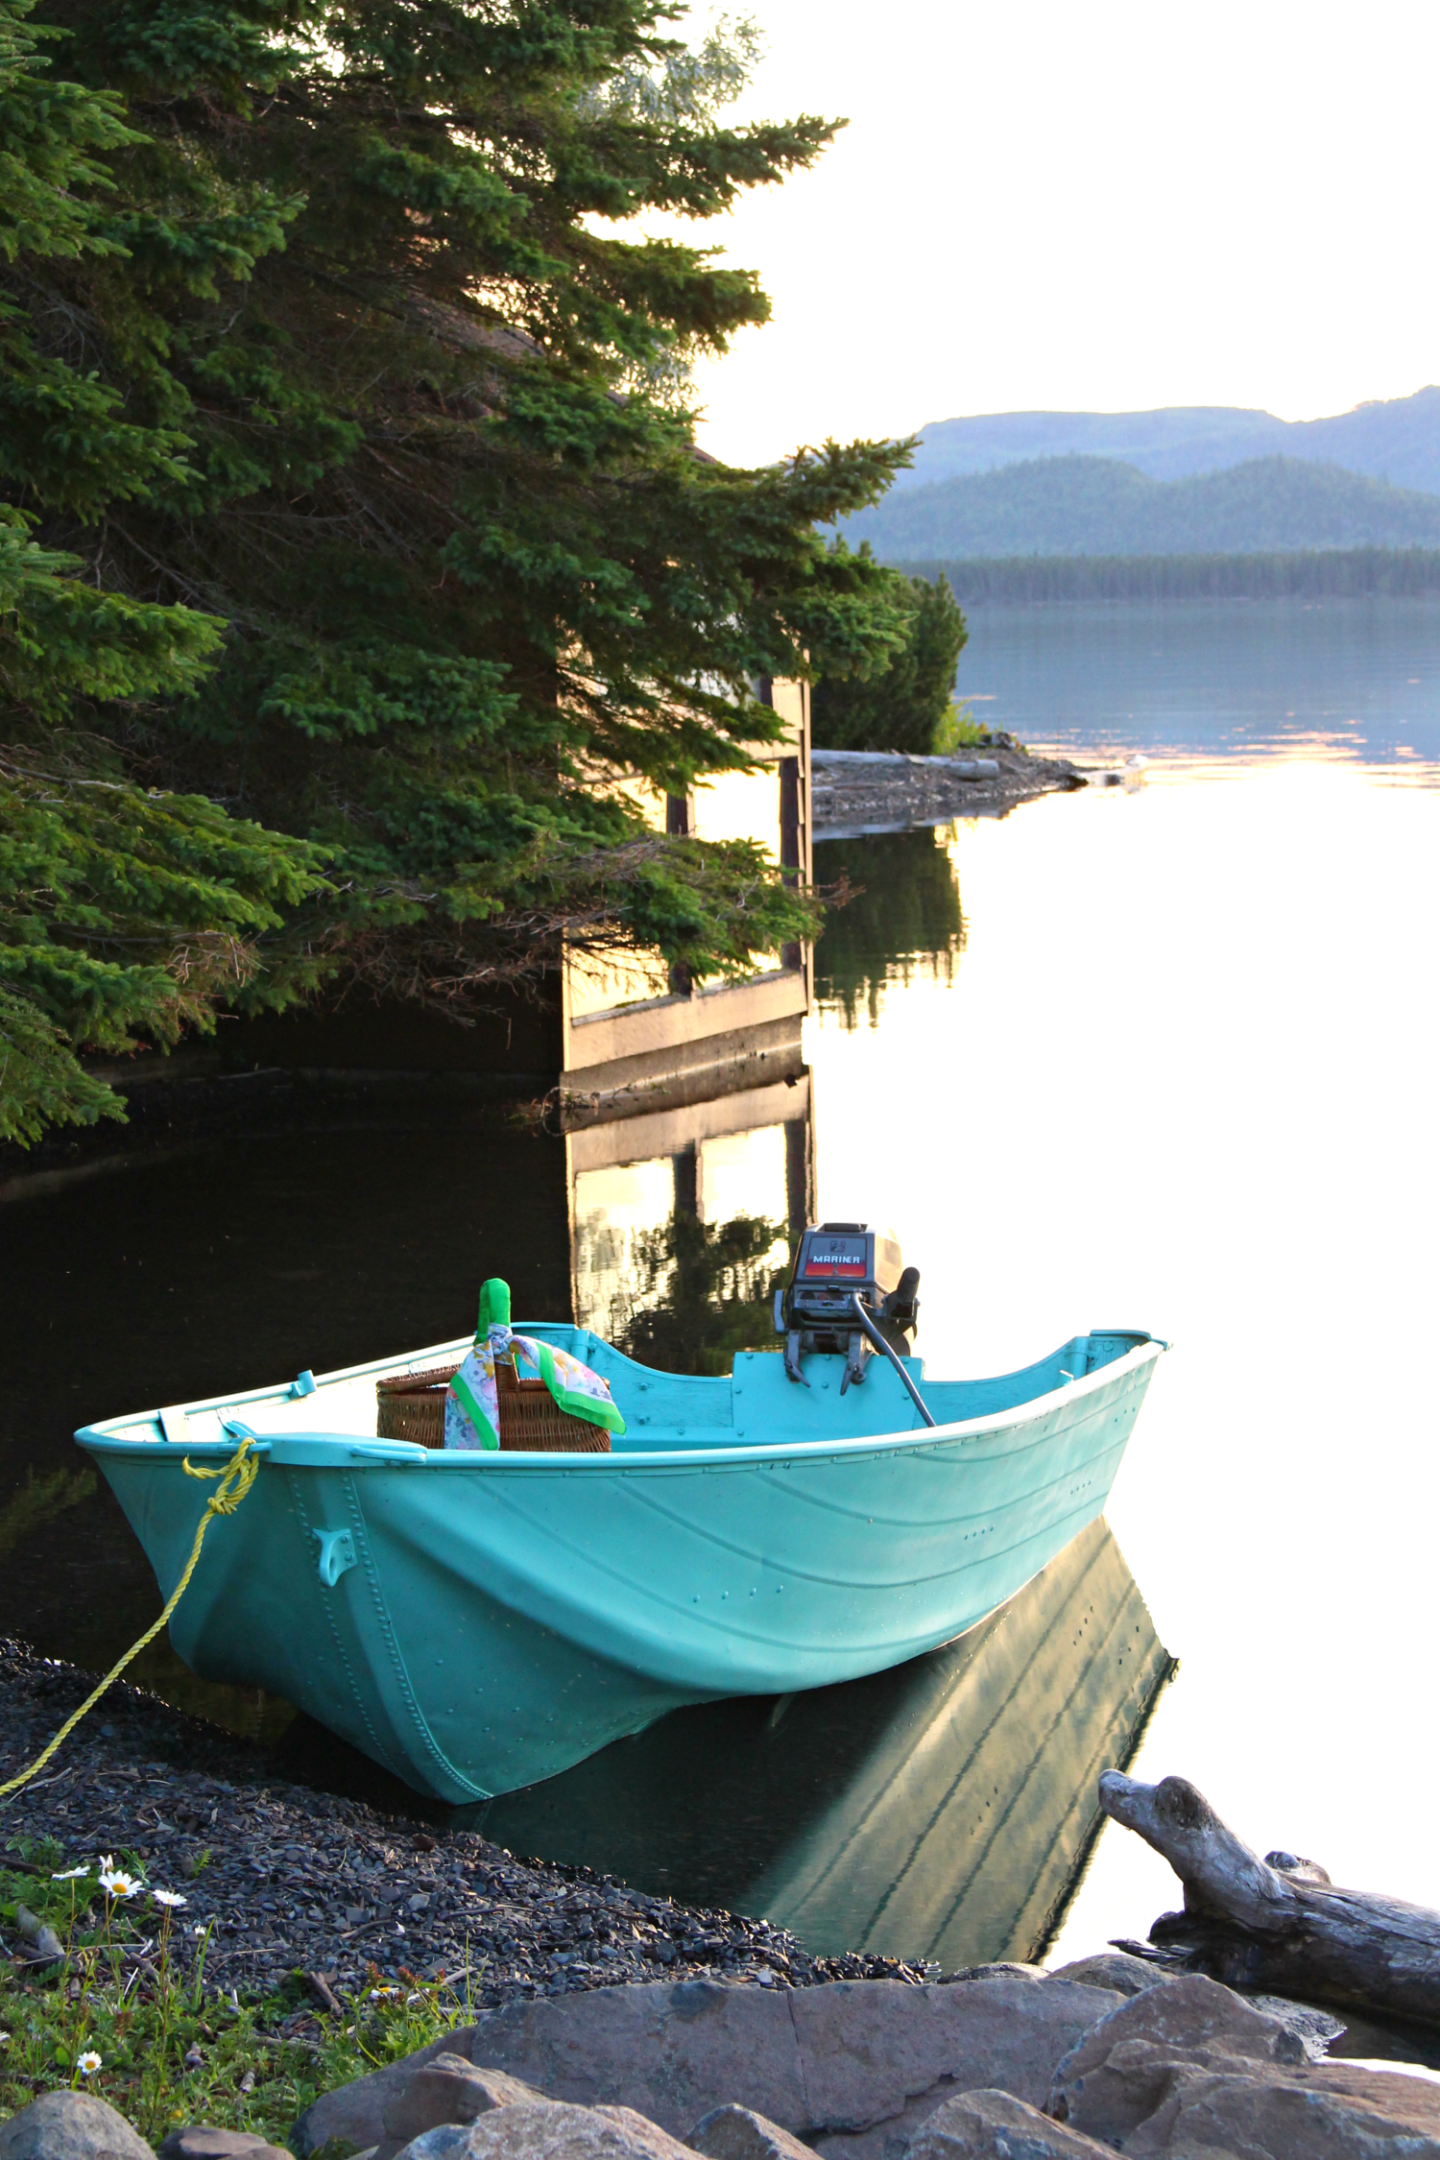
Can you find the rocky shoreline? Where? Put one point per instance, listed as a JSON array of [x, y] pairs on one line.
[[1008, 2065], [853, 793], [1003, 2064], [589, 2021]]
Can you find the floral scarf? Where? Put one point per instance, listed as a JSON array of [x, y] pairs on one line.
[[472, 1405]]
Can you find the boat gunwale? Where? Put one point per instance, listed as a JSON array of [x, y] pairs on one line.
[[367, 1452]]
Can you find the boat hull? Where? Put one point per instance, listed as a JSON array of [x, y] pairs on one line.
[[493, 1620], [849, 1815]]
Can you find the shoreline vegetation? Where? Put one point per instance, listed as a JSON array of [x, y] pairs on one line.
[[1293, 574]]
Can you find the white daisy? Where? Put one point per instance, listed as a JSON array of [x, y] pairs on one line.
[[71, 1874], [116, 1883], [88, 2063], [172, 1898]]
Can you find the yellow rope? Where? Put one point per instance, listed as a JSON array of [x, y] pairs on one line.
[[236, 1479]]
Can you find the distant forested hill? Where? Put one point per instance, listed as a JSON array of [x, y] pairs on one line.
[[1394, 439], [1101, 506]]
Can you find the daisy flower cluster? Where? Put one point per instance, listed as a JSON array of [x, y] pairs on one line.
[[118, 1884]]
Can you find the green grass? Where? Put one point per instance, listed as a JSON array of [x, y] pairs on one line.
[[173, 2048], [958, 729]]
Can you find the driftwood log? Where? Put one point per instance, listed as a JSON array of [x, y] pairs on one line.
[[1278, 1925]]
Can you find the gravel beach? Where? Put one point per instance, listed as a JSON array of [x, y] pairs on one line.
[[296, 1879]]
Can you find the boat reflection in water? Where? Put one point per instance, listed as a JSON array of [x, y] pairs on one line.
[[941, 1811]]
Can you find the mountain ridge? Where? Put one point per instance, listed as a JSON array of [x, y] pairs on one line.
[[1080, 505], [1392, 439]]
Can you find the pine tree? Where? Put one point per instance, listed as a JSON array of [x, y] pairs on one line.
[[348, 350], [124, 911], [901, 701]]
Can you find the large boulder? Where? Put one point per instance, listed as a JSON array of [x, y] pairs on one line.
[[70, 2126], [671, 2049], [1115, 1969], [877, 2057], [448, 2089], [1193, 2068], [354, 2114], [997, 2126], [738, 2133], [852, 2067], [1316, 2030], [550, 2130]]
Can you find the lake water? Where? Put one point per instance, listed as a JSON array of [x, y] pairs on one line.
[[1346, 679], [1177, 1067], [1161, 1055]]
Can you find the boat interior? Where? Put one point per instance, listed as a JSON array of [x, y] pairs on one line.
[[755, 1405]]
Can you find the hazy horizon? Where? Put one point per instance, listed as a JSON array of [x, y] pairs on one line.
[[1033, 210], [1196, 405]]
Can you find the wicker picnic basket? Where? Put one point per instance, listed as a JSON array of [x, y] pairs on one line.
[[412, 1407]]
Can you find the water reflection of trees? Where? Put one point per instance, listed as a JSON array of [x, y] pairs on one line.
[[694, 1293], [907, 922], [39, 1501]]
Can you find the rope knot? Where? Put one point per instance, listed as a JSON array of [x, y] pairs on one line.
[[236, 1478]]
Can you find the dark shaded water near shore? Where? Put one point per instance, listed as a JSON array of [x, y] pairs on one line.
[[1158, 1056]]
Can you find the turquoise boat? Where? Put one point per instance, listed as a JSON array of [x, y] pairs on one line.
[[476, 1621]]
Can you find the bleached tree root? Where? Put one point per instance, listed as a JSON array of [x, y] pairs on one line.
[[1277, 1925]]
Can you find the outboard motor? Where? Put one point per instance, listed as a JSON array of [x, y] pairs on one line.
[[834, 1264]]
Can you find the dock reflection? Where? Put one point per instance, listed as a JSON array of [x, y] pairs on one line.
[[944, 1811]]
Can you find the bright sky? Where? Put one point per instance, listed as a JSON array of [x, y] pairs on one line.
[[1107, 207]]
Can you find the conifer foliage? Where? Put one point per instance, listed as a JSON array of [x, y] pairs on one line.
[[358, 556], [901, 704], [124, 910]]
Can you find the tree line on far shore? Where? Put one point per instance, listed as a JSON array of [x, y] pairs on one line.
[[1300, 574]]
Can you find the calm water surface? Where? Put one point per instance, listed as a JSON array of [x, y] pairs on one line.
[[1163, 1056], [1184, 1074], [1352, 679]]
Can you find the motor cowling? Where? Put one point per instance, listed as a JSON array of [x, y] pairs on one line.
[[834, 1263]]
